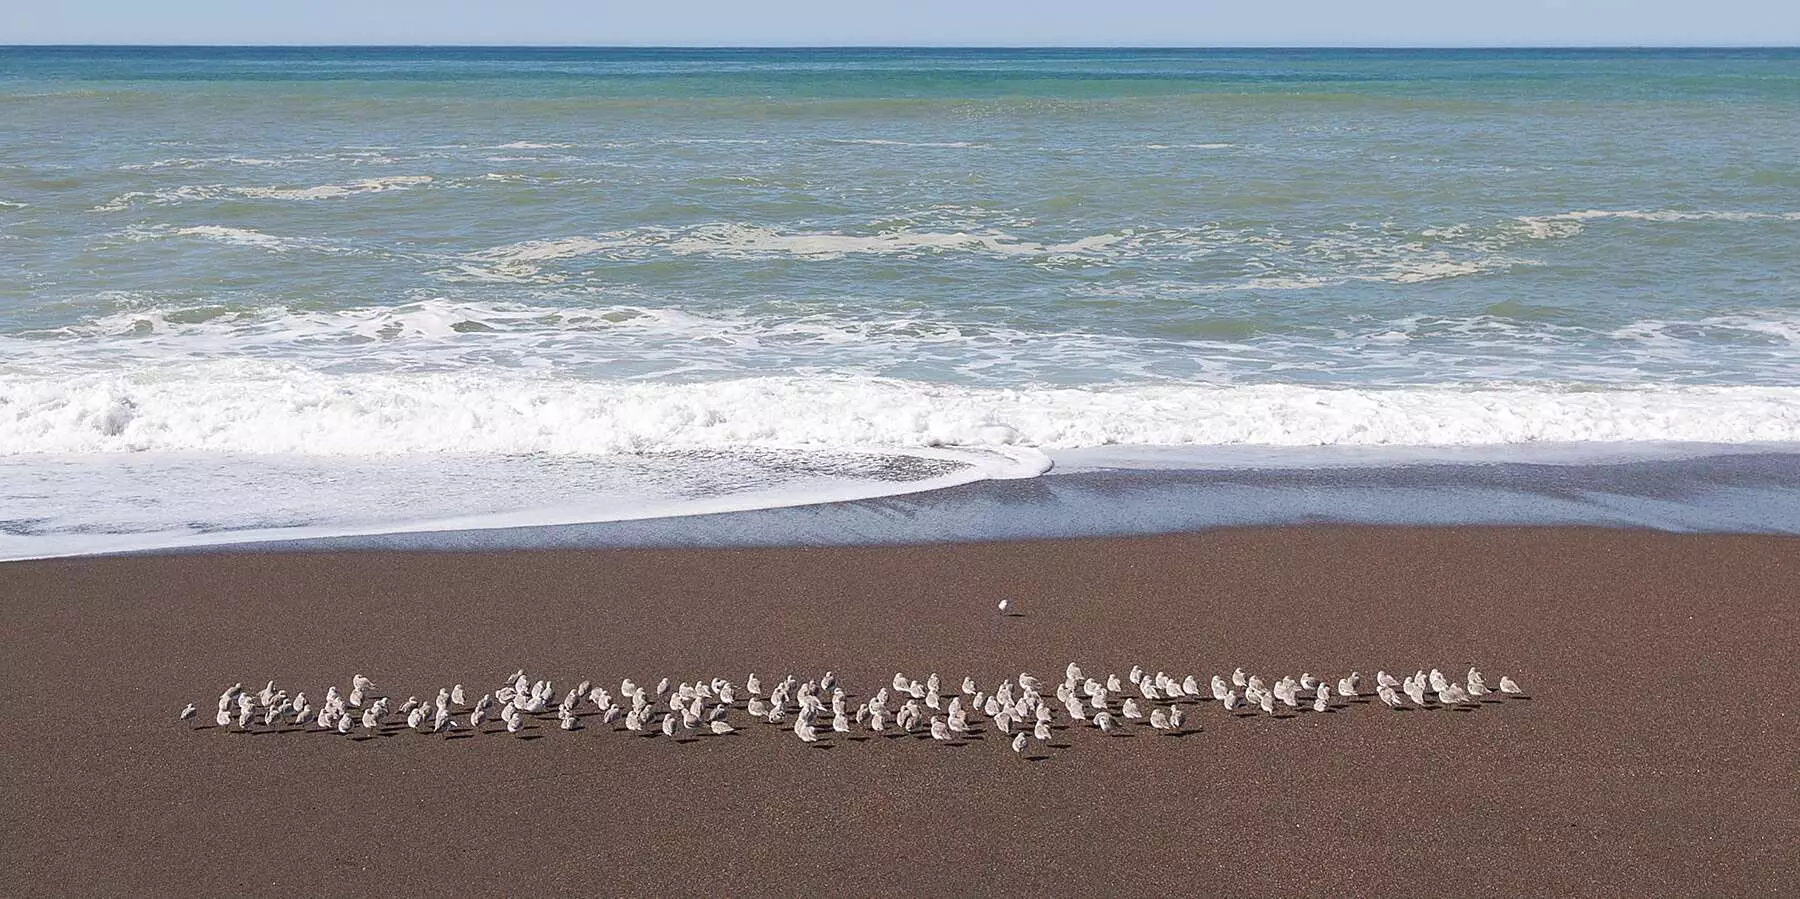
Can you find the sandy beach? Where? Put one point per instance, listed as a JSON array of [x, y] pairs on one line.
[[1656, 755]]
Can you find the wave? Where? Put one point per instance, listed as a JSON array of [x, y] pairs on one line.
[[243, 237], [261, 407], [642, 338], [194, 193], [734, 240], [1568, 224], [925, 144]]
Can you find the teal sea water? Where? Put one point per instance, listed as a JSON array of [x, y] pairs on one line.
[[288, 291]]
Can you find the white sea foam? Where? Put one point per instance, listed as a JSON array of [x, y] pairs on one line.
[[246, 237], [1568, 224], [735, 240], [195, 193], [273, 408], [925, 144]]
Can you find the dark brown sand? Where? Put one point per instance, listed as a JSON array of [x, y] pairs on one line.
[[1659, 754]]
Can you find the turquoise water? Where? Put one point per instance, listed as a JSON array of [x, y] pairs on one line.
[[734, 276]]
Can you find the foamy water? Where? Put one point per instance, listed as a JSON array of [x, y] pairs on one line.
[[288, 301]]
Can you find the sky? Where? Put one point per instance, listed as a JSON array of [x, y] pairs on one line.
[[1388, 23]]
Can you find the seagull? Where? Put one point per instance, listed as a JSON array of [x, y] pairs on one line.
[[1388, 696], [668, 725], [1415, 691], [939, 730], [1174, 717], [1384, 679], [1347, 685], [721, 728], [1131, 709], [1324, 700], [1231, 701], [1003, 605], [1159, 719], [1508, 685], [188, 712], [343, 724], [1219, 690], [1238, 678], [1105, 722], [804, 730], [1018, 743], [1041, 732]]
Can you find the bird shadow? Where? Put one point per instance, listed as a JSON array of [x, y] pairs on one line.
[[1183, 733], [1014, 614], [205, 727], [1059, 746], [1037, 758], [823, 745]]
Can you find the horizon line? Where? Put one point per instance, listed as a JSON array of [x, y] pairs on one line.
[[874, 46]]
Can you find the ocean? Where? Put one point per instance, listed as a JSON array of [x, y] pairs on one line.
[[255, 294]]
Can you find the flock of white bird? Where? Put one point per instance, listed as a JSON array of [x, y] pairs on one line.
[[811, 709]]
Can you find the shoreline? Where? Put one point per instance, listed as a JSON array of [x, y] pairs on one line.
[[1130, 492], [1646, 762]]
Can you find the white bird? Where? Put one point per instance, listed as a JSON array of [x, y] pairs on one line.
[[1415, 690], [1346, 686], [568, 722], [415, 718], [1323, 701], [939, 730], [1238, 678], [721, 728], [188, 712], [1384, 679], [1003, 605], [1510, 686], [1388, 696], [1159, 719], [804, 730], [1231, 701], [343, 723], [1266, 700], [1219, 690], [1131, 709], [668, 725], [1042, 732], [1174, 717], [1105, 722], [224, 717], [1018, 743], [753, 684]]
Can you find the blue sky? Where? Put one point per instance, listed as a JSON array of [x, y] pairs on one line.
[[907, 22]]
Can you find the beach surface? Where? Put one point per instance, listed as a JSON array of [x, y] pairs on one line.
[[1656, 754]]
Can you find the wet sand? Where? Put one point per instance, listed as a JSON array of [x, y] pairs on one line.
[[1657, 755]]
